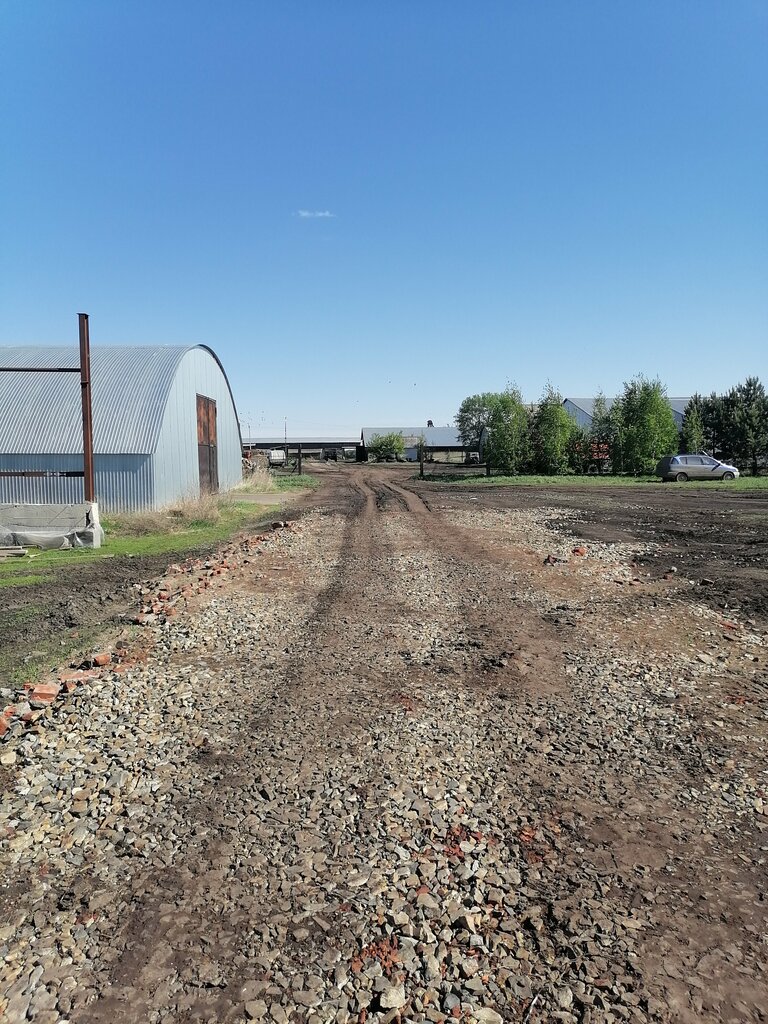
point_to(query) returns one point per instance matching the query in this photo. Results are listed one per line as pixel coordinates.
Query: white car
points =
(695, 467)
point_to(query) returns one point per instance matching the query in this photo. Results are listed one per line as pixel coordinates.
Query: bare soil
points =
(719, 539)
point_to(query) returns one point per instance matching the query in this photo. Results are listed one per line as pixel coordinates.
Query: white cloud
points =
(305, 214)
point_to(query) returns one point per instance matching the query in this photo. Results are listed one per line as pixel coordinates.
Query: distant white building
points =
(435, 439)
(581, 409)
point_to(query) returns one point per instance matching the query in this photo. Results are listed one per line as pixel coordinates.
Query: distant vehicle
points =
(694, 467)
(276, 457)
(473, 458)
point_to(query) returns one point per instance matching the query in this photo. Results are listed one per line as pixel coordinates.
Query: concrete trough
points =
(53, 527)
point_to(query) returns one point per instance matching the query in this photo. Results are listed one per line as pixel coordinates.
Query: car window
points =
(709, 462)
(694, 460)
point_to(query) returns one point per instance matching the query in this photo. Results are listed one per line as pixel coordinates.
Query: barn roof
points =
(40, 412)
(587, 405)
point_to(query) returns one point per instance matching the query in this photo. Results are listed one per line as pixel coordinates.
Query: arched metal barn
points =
(165, 426)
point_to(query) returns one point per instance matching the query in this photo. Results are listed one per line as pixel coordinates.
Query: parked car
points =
(695, 467)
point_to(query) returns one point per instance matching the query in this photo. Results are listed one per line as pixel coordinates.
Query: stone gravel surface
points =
(398, 760)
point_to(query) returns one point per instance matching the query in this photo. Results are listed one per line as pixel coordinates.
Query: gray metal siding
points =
(176, 472)
(123, 482)
(40, 412)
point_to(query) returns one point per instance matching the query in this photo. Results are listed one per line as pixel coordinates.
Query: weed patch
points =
(294, 481)
(21, 580)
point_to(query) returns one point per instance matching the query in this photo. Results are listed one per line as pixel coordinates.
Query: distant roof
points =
(311, 442)
(434, 437)
(679, 404)
(587, 405)
(40, 412)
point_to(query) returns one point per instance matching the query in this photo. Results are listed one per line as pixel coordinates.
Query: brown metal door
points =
(207, 450)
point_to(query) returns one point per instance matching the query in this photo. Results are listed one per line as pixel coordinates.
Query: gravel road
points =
(414, 756)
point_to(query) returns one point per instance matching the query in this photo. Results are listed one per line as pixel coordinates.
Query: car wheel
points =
(681, 478)
(728, 476)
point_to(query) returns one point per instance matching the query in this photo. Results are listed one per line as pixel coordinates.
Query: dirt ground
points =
(430, 753)
(719, 539)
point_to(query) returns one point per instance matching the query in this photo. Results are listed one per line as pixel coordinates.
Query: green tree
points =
(749, 405)
(384, 446)
(692, 434)
(647, 425)
(474, 414)
(506, 443)
(715, 419)
(579, 450)
(618, 431)
(601, 433)
(552, 431)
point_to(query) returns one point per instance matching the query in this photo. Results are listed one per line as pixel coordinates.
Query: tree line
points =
(629, 435)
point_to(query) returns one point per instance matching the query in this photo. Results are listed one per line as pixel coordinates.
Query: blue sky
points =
(519, 191)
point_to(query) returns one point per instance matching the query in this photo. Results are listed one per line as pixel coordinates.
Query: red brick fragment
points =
(77, 675)
(45, 693)
(102, 659)
(580, 550)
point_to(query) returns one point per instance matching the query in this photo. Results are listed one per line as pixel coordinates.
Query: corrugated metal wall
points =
(176, 469)
(40, 412)
(123, 482)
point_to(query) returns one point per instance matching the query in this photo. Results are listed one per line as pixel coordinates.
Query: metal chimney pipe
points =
(89, 483)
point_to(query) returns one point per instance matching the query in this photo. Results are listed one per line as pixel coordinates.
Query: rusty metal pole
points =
(89, 483)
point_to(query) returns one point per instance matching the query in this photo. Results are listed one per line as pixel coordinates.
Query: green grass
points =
(235, 516)
(481, 480)
(744, 483)
(22, 580)
(294, 481)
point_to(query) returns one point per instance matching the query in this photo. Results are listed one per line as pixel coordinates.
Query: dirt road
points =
(427, 754)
